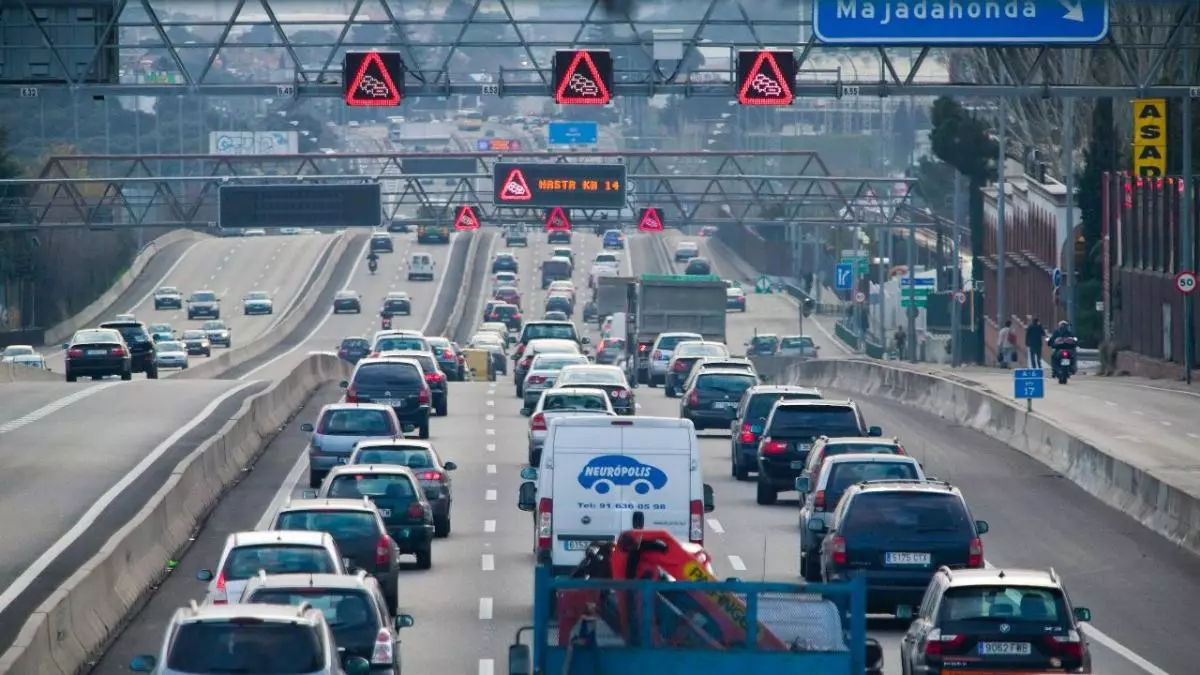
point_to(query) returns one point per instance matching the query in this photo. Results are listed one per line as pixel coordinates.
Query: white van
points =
(420, 266)
(600, 476)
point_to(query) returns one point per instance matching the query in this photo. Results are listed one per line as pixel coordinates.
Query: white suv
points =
(273, 551)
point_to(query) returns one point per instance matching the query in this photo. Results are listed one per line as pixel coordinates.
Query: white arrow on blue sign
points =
(844, 273)
(905, 281)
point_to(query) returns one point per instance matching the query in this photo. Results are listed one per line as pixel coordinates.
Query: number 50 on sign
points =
(1185, 282)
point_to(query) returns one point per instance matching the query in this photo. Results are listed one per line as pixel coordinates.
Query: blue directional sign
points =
(1056, 277)
(960, 22)
(573, 133)
(917, 281)
(845, 276)
(1029, 383)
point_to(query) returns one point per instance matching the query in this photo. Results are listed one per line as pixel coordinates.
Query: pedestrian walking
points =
(1035, 336)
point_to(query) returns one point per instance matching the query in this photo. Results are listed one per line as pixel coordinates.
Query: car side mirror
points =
(344, 384)
(527, 496)
(450, 466)
(802, 484)
(1082, 614)
(526, 412)
(307, 427)
(143, 663)
(815, 525)
(204, 575)
(348, 564)
(529, 473)
(762, 378)
(518, 660)
(308, 494)
(356, 665)
(710, 504)
(404, 621)
(875, 432)
(66, 346)
(981, 527)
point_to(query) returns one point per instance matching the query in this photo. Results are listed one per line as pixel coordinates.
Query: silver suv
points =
(249, 638)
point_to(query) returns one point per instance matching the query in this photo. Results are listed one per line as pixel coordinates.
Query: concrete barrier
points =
(10, 373)
(1167, 510)
(92, 312)
(71, 627)
(232, 358)
(474, 276)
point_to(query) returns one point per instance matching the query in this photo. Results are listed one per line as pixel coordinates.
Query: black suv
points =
(714, 396)
(381, 243)
(749, 419)
(559, 237)
(401, 500)
(505, 262)
(998, 620)
(895, 534)
(788, 435)
(516, 237)
(395, 382)
(141, 348)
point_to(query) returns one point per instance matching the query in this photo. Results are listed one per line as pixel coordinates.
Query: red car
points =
(508, 294)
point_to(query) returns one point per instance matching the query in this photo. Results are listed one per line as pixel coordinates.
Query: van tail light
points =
(696, 522)
(351, 394)
(117, 351)
(693, 399)
(75, 352)
(381, 654)
(535, 379)
(747, 434)
(1069, 645)
(415, 510)
(679, 366)
(434, 378)
(939, 644)
(383, 552)
(837, 548)
(819, 500)
(975, 556)
(424, 397)
(220, 594)
(538, 423)
(771, 447)
(643, 348)
(545, 520)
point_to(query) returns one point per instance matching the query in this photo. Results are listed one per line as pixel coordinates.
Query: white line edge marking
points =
(487, 562)
(737, 564)
(715, 526)
(485, 610)
(89, 518)
(52, 407)
(166, 275)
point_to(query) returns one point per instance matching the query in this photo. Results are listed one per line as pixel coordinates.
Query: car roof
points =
(593, 368)
(274, 613)
(343, 405)
(363, 505)
(827, 402)
(389, 361)
(869, 458)
(559, 258)
(122, 324)
(333, 581)
(404, 441)
(679, 334)
(927, 486)
(363, 469)
(770, 389)
(848, 440)
(994, 576)
(724, 371)
(262, 537)
(576, 390)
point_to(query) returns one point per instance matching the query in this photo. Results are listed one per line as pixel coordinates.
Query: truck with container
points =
(612, 296)
(674, 303)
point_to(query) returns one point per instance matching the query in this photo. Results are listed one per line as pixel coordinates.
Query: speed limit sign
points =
(1185, 282)
(861, 297)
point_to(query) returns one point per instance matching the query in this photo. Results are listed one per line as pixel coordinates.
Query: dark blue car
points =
(604, 473)
(353, 348)
(614, 239)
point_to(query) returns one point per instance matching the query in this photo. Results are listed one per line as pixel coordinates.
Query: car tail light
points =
(516, 316)
(220, 594)
(819, 500)
(383, 552)
(772, 447)
(900, 450)
(837, 549)
(696, 522)
(938, 644)
(434, 378)
(448, 354)
(975, 555)
(430, 475)
(538, 423)
(117, 351)
(679, 366)
(415, 510)
(1064, 355)
(535, 379)
(75, 351)
(643, 348)
(545, 519)
(424, 397)
(747, 434)
(520, 349)
(693, 398)
(381, 654)
(1069, 645)
(526, 362)
(351, 394)
(621, 393)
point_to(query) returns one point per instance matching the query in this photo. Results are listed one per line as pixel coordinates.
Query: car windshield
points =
(729, 383)
(558, 402)
(245, 561)
(204, 296)
(348, 612)
(427, 362)
(591, 376)
(865, 447)
(390, 485)
(796, 342)
(355, 422)
(355, 343)
(133, 334)
(168, 290)
(18, 351)
(94, 336)
(760, 404)
(346, 295)
(555, 362)
(686, 246)
(686, 349)
(160, 328)
(388, 375)
(439, 344)
(246, 646)
(168, 347)
(844, 474)
(339, 524)
(668, 342)
(829, 420)
(193, 335)
(213, 325)
(257, 295)
(413, 458)
(556, 331)
(907, 513)
(606, 258)
(399, 343)
(1010, 604)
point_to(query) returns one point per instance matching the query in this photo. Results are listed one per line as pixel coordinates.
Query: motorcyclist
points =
(1062, 332)
(373, 260)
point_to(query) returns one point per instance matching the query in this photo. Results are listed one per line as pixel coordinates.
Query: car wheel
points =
(425, 558)
(810, 568)
(442, 408)
(740, 472)
(70, 377)
(207, 352)
(314, 480)
(520, 391)
(423, 430)
(765, 495)
(184, 367)
(441, 527)
(127, 375)
(391, 597)
(670, 391)
(151, 373)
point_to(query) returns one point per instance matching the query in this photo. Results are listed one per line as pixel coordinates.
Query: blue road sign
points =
(905, 281)
(573, 133)
(960, 22)
(845, 277)
(1029, 383)
(1057, 277)
(482, 144)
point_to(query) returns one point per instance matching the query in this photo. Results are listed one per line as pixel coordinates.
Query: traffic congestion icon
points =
(766, 78)
(515, 188)
(557, 220)
(580, 79)
(466, 218)
(370, 81)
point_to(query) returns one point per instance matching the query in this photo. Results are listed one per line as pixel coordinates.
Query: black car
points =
(381, 243)
(397, 493)
(556, 269)
(398, 383)
(559, 237)
(714, 396)
(143, 358)
(516, 237)
(399, 227)
(426, 465)
(353, 349)
(96, 353)
(197, 342)
(434, 376)
(509, 315)
(788, 435)
(204, 304)
(448, 358)
(396, 304)
(698, 266)
(505, 262)
(559, 303)
(749, 418)
(894, 534)
(347, 301)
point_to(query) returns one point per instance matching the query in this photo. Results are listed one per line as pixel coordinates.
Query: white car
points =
(500, 279)
(171, 354)
(543, 371)
(561, 403)
(686, 250)
(660, 355)
(798, 345)
(11, 352)
(275, 552)
(420, 266)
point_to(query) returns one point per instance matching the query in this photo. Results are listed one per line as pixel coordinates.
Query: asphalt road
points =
(478, 593)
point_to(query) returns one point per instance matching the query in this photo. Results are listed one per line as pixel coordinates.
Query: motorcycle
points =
(373, 266)
(1062, 358)
(386, 322)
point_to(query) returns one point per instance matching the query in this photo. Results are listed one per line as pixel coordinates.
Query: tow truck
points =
(650, 603)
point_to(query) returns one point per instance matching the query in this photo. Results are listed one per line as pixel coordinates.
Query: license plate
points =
(576, 545)
(395, 403)
(386, 513)
(97, 352)
(907, 558)
(1005, 649)
(804, 447)
(723, 405)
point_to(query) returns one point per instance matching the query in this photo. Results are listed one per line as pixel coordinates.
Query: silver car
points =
(171, 354)
(542, 373)
(273, 551)
(258, 302)
(661, 352)
(339, 427)
(798, 345)
(563, 402)
(219, 333)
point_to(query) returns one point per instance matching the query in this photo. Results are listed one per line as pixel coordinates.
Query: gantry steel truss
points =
(724, 188)
(500, 48)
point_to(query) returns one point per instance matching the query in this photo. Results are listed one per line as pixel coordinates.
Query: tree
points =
(965, 142)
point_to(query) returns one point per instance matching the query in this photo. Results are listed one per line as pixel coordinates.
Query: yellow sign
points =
(1149, 137)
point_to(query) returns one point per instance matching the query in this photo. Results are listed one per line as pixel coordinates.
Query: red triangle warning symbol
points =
(558, 221)
(581, 83)
(765, 83)
(515, 189)
(651, 221)
(373, 84)
(466, 219)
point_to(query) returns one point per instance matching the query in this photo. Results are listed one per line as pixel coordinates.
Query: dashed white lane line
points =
(1165, 423)
(487, 562)
(736, 563)
(491, 468)
(490, 495)
(1127, 437)
(715, 526)
(1193, 435)
(487, 667)
(490, 418)
(485, 609)
(489, 432)
(489, 526)
(491, 403)
(490, 447)
(1111, 404)
(1139, 413)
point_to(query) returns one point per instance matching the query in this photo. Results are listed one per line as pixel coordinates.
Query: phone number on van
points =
(620, 506)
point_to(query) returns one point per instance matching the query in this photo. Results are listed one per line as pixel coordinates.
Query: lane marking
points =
(1192, 435)
(715, 526)
(1110, 404)
(491, 468)
(489, 418)
(489, 526)
(490, 432)
(488, 562)
(1165, 423)
(89, 518)
(487, 667)
(163, 281)
(490, 447)
(53, 407)
(490, 495)
(736, 563)
(1139, 413)
(491, 402)
(1127, 437)
(485, 609)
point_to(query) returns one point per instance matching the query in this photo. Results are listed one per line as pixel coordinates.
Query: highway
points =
(1141, 588)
